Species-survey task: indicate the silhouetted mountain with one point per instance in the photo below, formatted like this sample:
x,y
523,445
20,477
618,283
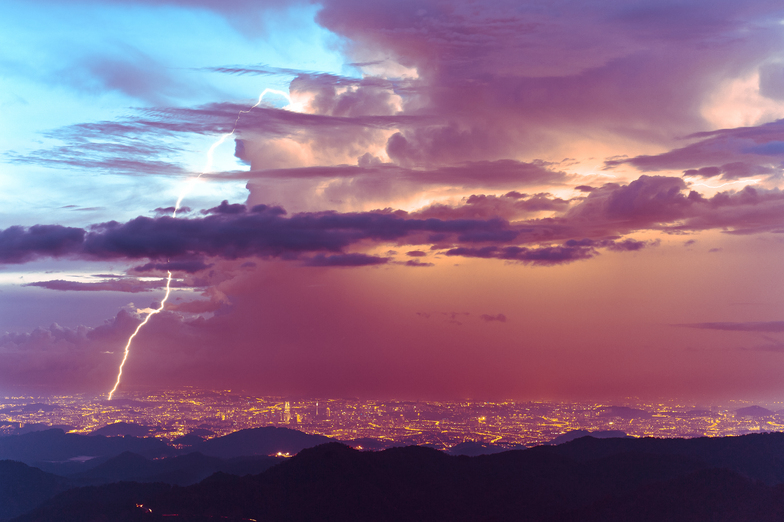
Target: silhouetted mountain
x,y
576,434
472,449
23,488
113,502
268,440
122,429
56,446
368,444
758,456
30,408
583,480
717,495
188,440
183,470
29,428
753,411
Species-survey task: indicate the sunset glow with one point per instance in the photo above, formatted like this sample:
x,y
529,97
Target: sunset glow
x,y
436,201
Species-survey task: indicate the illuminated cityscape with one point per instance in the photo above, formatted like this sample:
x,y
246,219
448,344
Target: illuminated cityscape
x,y
375,424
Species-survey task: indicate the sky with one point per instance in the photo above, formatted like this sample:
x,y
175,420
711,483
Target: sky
x,y
426,200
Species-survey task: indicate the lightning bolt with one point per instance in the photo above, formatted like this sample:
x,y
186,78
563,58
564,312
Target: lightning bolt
x,y
130,339
183,195
219,142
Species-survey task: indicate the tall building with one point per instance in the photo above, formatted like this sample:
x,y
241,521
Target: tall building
x,y
287,412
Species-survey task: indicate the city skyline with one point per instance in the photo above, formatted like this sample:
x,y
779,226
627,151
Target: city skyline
x,y
374,425
439,201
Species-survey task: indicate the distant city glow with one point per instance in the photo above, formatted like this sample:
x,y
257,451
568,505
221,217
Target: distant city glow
x,y
443,424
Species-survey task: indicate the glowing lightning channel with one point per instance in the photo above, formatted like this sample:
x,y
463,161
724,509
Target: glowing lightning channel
x,y
188,188
130,339
219,142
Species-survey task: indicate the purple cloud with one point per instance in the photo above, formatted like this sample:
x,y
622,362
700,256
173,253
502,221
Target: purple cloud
x,y
769,326
19,245
657,202
417,263
729,153
501,318
179,265
112,285
231,231
536,256
353,259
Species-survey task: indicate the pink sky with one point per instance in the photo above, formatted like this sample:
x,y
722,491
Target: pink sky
x,y
501,200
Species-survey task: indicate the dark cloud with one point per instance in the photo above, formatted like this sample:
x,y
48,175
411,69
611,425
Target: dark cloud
x,y
416,253
501,318
266,232
226,208
417,263
514,194
473,229
537,256
113,285
627,245
354,259
729,153
19,245
571,250
770,326
263,232
180,265
168,211
704,172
